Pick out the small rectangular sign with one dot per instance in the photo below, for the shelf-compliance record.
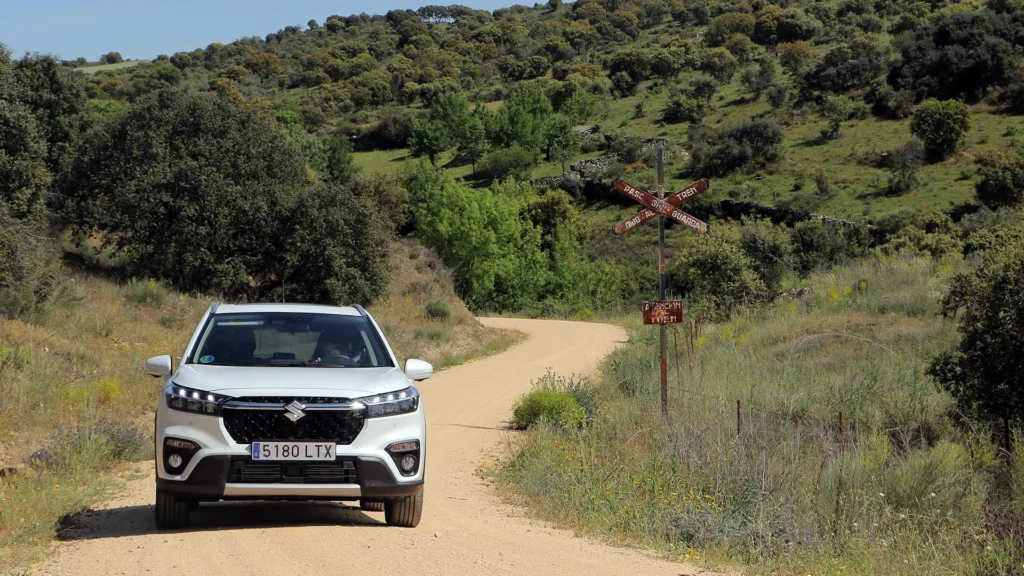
(663, 312)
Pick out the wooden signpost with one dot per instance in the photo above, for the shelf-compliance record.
(663, 311)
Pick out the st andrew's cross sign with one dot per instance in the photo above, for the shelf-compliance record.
(656, 207)
(662, 312)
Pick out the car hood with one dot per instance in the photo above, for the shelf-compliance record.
(291, 381)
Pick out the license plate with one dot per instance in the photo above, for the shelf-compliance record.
(293, 450)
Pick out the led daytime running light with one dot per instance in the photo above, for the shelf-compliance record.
(392, 403)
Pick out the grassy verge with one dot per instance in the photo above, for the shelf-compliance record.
(74, 402)
(897, 490)
(447, 337)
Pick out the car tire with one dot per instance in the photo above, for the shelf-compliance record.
(404, 512)
(171, 511)
(371, 506)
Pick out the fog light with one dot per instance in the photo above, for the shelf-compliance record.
(174, 461)
(408, 463)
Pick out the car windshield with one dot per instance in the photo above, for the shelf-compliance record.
(290, 339)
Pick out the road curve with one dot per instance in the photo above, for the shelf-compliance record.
(466, 529)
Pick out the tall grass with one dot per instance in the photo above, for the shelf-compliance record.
(896, 490)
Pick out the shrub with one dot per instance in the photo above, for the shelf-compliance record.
(145, 292)
(438, 310)
(90, 446)
(29, 283)
(942, 125)
(514, 162)
(717, 275)
(555, 407)
(983, 372)
(682, 108)
(1002, 180)
(752, 145)
(836, 109)
(903, 164)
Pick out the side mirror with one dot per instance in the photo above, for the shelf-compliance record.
(418, 370)
(159, 366)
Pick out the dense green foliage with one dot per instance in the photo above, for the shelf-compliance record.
(210, 196)
(985, 373)
(942, 125)
(554, 407)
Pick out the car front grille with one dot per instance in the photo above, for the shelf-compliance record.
(248, 425)
(244, 470)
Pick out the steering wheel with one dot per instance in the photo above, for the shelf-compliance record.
(339, 359)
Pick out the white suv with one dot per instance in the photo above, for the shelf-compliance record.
(289, 402)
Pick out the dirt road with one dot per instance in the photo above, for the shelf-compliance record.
(466, 529)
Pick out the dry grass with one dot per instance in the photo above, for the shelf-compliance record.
(900, 491)
(417, 277)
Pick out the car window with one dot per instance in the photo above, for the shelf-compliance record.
(290, 339)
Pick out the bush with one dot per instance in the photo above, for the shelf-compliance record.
(91, 446)
(682, 108)
(555, 407)
(1002, 180)
(942, 125)
(983, 372)
(513, 162)
(28, 271)
(438, 310)
(752, 145)
(717, 275)
(145, 292)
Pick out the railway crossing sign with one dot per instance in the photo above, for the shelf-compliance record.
(662, 312)
(655, 206)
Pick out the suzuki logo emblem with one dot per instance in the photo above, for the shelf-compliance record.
(295, 411)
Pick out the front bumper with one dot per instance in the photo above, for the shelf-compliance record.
(209, 481)
(209, 474)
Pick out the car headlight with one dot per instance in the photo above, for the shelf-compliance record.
(188, 400)
(401, 402)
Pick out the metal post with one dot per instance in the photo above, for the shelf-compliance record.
(661, 283)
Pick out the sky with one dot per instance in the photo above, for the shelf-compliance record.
(144, 29)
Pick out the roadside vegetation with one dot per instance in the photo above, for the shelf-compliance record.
(905, 483)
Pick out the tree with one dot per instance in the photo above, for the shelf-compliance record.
(795, 56)
(942, 125)
(903, 164)
(836, 108)
(430, 137)
(181, 60)
(24, 176)
(684, 108)
(200, 191)
(720, 63)
(554, 5)
(985, 372)
(716, 275)
(521, 119)
(312, 24)
(758, 80)
(563, 142)
(1002, 180)
(770, 251)
(340, 165)
(724, 26)
(473, 145)
(57, 101)
(494, 255)
(111, 58)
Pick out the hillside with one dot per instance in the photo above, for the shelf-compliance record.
(367, 77)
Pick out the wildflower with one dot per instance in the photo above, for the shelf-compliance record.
(882, 494)
(932, 495)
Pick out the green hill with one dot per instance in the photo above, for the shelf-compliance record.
(367, 77)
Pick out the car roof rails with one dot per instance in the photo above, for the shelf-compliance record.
(213, 308)
(359, 307)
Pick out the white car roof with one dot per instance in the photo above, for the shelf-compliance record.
(290, 308)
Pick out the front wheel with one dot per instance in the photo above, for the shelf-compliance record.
(371, 506)
(404, 512)
(171, 511)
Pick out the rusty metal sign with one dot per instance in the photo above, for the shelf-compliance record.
(663, 312)
(657, 207)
